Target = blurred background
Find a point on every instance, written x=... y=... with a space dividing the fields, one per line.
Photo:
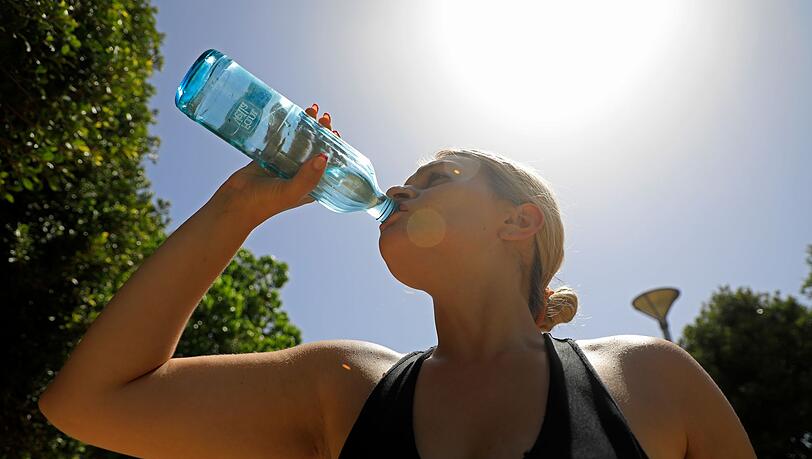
x=676 y=136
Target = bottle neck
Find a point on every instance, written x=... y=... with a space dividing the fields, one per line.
x=383 y=210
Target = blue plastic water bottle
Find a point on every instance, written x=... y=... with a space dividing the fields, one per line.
x=245 y=112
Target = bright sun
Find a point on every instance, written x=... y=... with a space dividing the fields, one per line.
x=566 y=63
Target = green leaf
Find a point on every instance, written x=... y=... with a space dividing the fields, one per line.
x=27 y=184
x=80 y=145
x=53 y=183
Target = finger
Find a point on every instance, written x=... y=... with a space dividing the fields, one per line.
x=313 y=110
x=305 y=180
x=307 y=199
x=325 y=121
x=337 y=133
x=268 y=171
x=252 y=168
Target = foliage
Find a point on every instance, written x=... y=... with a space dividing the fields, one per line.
x=806 y=288
x=240 y=313
x=74 y=91
x=76 y=213
x=77 y=216
x=756 y=347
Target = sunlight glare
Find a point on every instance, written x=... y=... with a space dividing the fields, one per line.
x=563 y=64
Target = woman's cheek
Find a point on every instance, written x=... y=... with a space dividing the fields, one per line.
x=426 y=227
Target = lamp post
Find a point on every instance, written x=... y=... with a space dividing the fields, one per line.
x=656 y=303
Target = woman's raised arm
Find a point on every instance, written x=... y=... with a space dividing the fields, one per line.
x=138 y=330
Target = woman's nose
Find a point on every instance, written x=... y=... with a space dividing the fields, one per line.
x=400 y=192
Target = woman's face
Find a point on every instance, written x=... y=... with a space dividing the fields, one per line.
x=450 y=221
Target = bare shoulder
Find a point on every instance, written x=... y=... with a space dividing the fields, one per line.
x=646 y=359
x=637 y=363
x=351 y=370
x=641 y=375
x=627 y=345
x=347 y=365
x=655 y=369
x=358 y=354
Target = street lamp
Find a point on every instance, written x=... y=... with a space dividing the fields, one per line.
x=656 y=303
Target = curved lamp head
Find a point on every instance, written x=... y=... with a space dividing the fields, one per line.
x=656 y=302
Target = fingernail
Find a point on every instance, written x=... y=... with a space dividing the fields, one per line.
x=315 y=107
x=320 y=161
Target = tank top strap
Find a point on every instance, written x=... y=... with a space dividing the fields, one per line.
x=591 y=423
x=383 y=427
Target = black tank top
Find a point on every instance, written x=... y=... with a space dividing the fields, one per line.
x=582 y=419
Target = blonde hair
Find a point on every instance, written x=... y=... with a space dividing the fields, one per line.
x=517 y=183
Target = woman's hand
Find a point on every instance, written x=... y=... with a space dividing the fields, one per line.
x=258 y=194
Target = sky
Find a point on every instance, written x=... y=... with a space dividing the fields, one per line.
x=675 y=135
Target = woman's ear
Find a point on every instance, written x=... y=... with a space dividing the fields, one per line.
x=522 y=222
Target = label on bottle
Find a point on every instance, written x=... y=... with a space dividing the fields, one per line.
x=245 y=115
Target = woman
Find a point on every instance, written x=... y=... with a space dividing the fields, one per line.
x=483 y=236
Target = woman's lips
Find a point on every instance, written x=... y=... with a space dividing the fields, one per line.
x=392 y=218
x=389 y=221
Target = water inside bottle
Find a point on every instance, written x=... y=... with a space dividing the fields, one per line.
x=280 y=136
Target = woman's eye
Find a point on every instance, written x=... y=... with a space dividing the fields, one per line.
x=434 y=176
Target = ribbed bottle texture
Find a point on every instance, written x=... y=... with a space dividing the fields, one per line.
x=245 y=112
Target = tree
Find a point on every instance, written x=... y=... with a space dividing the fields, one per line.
x=241 y=311
x=756 y=347
x=77 y=215
x=806 y=288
